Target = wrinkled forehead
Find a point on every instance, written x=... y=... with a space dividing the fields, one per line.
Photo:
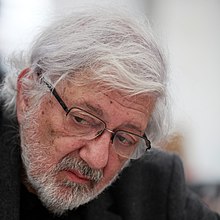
x=142 y=102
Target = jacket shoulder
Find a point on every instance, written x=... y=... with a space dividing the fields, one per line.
x=154 y=188
x=146 y=185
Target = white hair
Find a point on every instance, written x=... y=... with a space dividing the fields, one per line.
x=117 y=48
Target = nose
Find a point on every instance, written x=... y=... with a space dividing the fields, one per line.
x=96 y=152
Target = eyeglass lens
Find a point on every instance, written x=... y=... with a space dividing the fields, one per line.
x=80 y=123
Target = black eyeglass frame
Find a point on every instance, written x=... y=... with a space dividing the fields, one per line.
x=67 y=110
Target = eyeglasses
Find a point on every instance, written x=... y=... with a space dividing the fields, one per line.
x=81 y=123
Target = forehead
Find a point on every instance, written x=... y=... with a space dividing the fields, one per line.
x=142 y=102
x=98 y=93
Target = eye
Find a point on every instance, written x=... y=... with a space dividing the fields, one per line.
x=79 y=120
x=125 y=139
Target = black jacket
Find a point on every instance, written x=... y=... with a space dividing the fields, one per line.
x=152 y=188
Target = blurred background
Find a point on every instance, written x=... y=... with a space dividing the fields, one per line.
x=190 y=33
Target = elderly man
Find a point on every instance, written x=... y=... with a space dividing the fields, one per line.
x=90 y=101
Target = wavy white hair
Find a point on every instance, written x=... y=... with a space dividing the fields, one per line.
x=117 y=49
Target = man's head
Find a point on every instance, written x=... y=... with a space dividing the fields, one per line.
x=87 y=102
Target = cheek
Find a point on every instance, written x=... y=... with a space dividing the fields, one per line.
x=50 y=125
x=38 y=134
x=51 y=135
x=64 y=146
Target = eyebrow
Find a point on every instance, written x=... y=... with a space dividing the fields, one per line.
x=91 y=108
x=133 y=127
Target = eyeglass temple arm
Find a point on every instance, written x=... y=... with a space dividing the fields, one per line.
x=54 y=92
x=148 y=143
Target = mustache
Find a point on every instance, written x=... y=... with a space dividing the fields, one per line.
x=73 y=163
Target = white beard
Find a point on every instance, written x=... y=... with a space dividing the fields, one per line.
x=57 y=195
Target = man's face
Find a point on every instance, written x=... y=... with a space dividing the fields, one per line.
x=66 y=171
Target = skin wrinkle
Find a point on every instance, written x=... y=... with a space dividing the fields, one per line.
x=120 y=98
x=124 y=100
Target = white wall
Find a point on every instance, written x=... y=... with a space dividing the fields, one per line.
x=20 y=21
x=192 y=32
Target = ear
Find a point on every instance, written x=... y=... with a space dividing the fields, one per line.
x=22 y=100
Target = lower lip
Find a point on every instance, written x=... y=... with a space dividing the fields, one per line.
x=76 y=178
